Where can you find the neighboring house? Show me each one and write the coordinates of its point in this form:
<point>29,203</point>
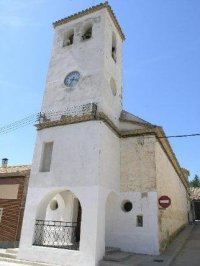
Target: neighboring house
<point>13,189</point>
<point>98,172</point>
<point>195,198</point>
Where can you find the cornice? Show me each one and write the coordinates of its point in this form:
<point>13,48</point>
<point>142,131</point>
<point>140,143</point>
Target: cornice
<point>89,11</point>
<point>161,137</point>
<point>151,130</point>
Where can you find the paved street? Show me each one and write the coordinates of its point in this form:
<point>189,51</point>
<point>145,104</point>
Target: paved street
<point>190,253</point>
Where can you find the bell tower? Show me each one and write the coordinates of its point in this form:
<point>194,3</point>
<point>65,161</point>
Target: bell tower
<point>76,161</point>
<point>86,63</point>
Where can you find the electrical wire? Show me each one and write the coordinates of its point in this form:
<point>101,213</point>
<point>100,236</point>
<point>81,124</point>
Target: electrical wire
<point>29,120</point>
<point>32,119</point>
<point>182,136</point>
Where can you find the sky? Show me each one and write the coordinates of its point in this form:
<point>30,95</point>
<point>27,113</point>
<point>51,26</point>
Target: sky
<point>161,67</point>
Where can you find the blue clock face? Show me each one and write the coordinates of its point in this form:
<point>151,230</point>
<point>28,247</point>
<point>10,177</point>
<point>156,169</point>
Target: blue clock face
<point>72,79</point>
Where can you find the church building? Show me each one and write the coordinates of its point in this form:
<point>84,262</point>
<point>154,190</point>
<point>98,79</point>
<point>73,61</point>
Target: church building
<point>101,177</point>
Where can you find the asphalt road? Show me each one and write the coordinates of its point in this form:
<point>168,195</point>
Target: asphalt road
<point>190,253</point>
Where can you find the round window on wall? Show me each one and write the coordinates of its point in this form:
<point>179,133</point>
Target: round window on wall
<point>127,206</point>
<point>54,205</point>
<point>113,87</point>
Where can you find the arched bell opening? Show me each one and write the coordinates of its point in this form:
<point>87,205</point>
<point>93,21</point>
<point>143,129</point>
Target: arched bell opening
<point>58,221</point>
<point>87,31</point>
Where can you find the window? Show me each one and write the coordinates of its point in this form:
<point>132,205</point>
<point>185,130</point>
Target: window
<point>113,87</point>
<point>1,213</point>
<point>139,220</point>
<point>114,47</point>
<point>9,191</point>
<point>54,205</point>
<point>46,157</point>
<point>69,38</point>
<point>127,206</point>
<point>87,31</point>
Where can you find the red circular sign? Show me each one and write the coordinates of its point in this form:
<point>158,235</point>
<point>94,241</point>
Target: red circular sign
<point>164,201</point>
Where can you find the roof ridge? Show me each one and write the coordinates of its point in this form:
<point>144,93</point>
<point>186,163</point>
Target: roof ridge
<point>132,116</point>
<point>17,165</point>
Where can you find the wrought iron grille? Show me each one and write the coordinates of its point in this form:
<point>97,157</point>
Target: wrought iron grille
<point>72,111</point>
<point>57,234</point>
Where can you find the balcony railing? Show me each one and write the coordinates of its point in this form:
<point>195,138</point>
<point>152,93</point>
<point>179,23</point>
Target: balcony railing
<point>57,234</point>
<point>73,111</point>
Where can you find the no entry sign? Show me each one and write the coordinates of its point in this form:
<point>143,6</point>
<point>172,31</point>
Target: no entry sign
<point>164,201</point>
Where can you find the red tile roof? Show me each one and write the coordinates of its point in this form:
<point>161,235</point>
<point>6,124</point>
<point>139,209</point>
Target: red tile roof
<point>16,170</point>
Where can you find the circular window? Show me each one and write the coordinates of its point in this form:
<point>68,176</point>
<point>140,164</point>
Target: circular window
<point>127,206</point>
<point>113,87</point>
<point>54,205</point>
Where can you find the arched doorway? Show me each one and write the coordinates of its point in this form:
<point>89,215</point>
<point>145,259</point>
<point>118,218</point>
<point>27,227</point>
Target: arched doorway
<point>58,222</point>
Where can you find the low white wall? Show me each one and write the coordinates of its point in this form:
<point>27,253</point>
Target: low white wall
<point>121,227</point>
<point>92,239</point>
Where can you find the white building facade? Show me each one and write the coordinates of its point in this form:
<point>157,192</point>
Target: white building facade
<point>97,170</point>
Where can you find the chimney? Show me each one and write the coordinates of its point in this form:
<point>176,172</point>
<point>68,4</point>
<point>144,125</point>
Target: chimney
<point>4,162</point>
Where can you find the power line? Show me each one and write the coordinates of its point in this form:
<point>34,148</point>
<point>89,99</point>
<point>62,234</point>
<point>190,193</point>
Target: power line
<point>182,136</point>
<point>31,119</point>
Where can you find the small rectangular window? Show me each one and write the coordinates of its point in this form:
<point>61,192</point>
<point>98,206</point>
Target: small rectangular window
<point>1,213</point>
<point>46,157</point>
<point>140,220</point>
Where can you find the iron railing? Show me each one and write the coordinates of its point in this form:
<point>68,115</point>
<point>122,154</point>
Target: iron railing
<point>57,234</point>
<point>54,115</point>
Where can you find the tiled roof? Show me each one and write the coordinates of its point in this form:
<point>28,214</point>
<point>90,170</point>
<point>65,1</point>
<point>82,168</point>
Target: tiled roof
<point>128,117</point>
<point>16,170</point>
<point>89,11</point>
<point>195,193</point>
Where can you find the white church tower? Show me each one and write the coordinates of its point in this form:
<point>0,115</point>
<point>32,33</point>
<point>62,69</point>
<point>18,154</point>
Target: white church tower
<point>76,162</point>
<point>99,174</point>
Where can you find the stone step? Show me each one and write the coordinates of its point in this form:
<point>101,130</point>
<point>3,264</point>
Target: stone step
<point>117,256</point>
<point>24,262</point>
<point>7,255</point>
<point>12,250</point>
<point>112,250</point>
<point>109,263</point>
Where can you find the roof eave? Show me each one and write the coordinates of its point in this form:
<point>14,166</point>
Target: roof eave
<point>89,11</point>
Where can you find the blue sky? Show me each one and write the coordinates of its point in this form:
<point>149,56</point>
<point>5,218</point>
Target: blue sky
<point>161,67</point>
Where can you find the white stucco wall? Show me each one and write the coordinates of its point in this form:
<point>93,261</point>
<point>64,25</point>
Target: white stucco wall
<point>121,227</point>
<point>65,210</point>
<point>92,241</point>
<point>109,158</point>
<point>169,183</point>
<point>86,161</point>
<point>92,58</point>
<point>84,154</point>
<point>138,184</point>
